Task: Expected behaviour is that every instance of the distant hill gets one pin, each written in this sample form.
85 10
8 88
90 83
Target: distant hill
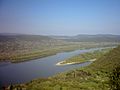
61 37
90 38
77 38
7 37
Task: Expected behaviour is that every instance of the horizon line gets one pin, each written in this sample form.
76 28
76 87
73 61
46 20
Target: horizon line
7 33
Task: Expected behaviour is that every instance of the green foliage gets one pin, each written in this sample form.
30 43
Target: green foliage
115 78
86 56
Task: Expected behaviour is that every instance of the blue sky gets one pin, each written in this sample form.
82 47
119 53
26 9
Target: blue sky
60 17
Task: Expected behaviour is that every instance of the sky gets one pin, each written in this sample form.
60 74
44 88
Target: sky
60 17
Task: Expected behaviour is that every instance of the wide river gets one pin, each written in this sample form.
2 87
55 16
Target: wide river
12 73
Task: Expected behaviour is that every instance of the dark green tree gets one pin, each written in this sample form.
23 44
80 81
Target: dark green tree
115 78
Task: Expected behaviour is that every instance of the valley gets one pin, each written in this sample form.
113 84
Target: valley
19 48
83 65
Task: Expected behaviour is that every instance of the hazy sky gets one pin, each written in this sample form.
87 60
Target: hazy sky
60 17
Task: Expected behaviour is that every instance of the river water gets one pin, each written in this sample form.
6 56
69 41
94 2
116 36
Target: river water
13 73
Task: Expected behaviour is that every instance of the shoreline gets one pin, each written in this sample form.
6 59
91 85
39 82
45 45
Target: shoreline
71 63
38 56
51 52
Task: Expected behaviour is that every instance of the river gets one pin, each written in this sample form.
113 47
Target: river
15 73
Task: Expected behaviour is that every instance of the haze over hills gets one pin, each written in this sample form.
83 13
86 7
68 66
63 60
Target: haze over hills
90 38
77 38
12 36
35 46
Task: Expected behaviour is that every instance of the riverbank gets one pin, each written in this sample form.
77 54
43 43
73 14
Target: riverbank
85 57
49 52
22 57
39 68
60 63
46 53
71 63
20 51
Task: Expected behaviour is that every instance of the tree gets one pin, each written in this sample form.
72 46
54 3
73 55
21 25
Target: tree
115 78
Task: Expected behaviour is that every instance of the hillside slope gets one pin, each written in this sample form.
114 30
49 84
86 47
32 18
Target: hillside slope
108 61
